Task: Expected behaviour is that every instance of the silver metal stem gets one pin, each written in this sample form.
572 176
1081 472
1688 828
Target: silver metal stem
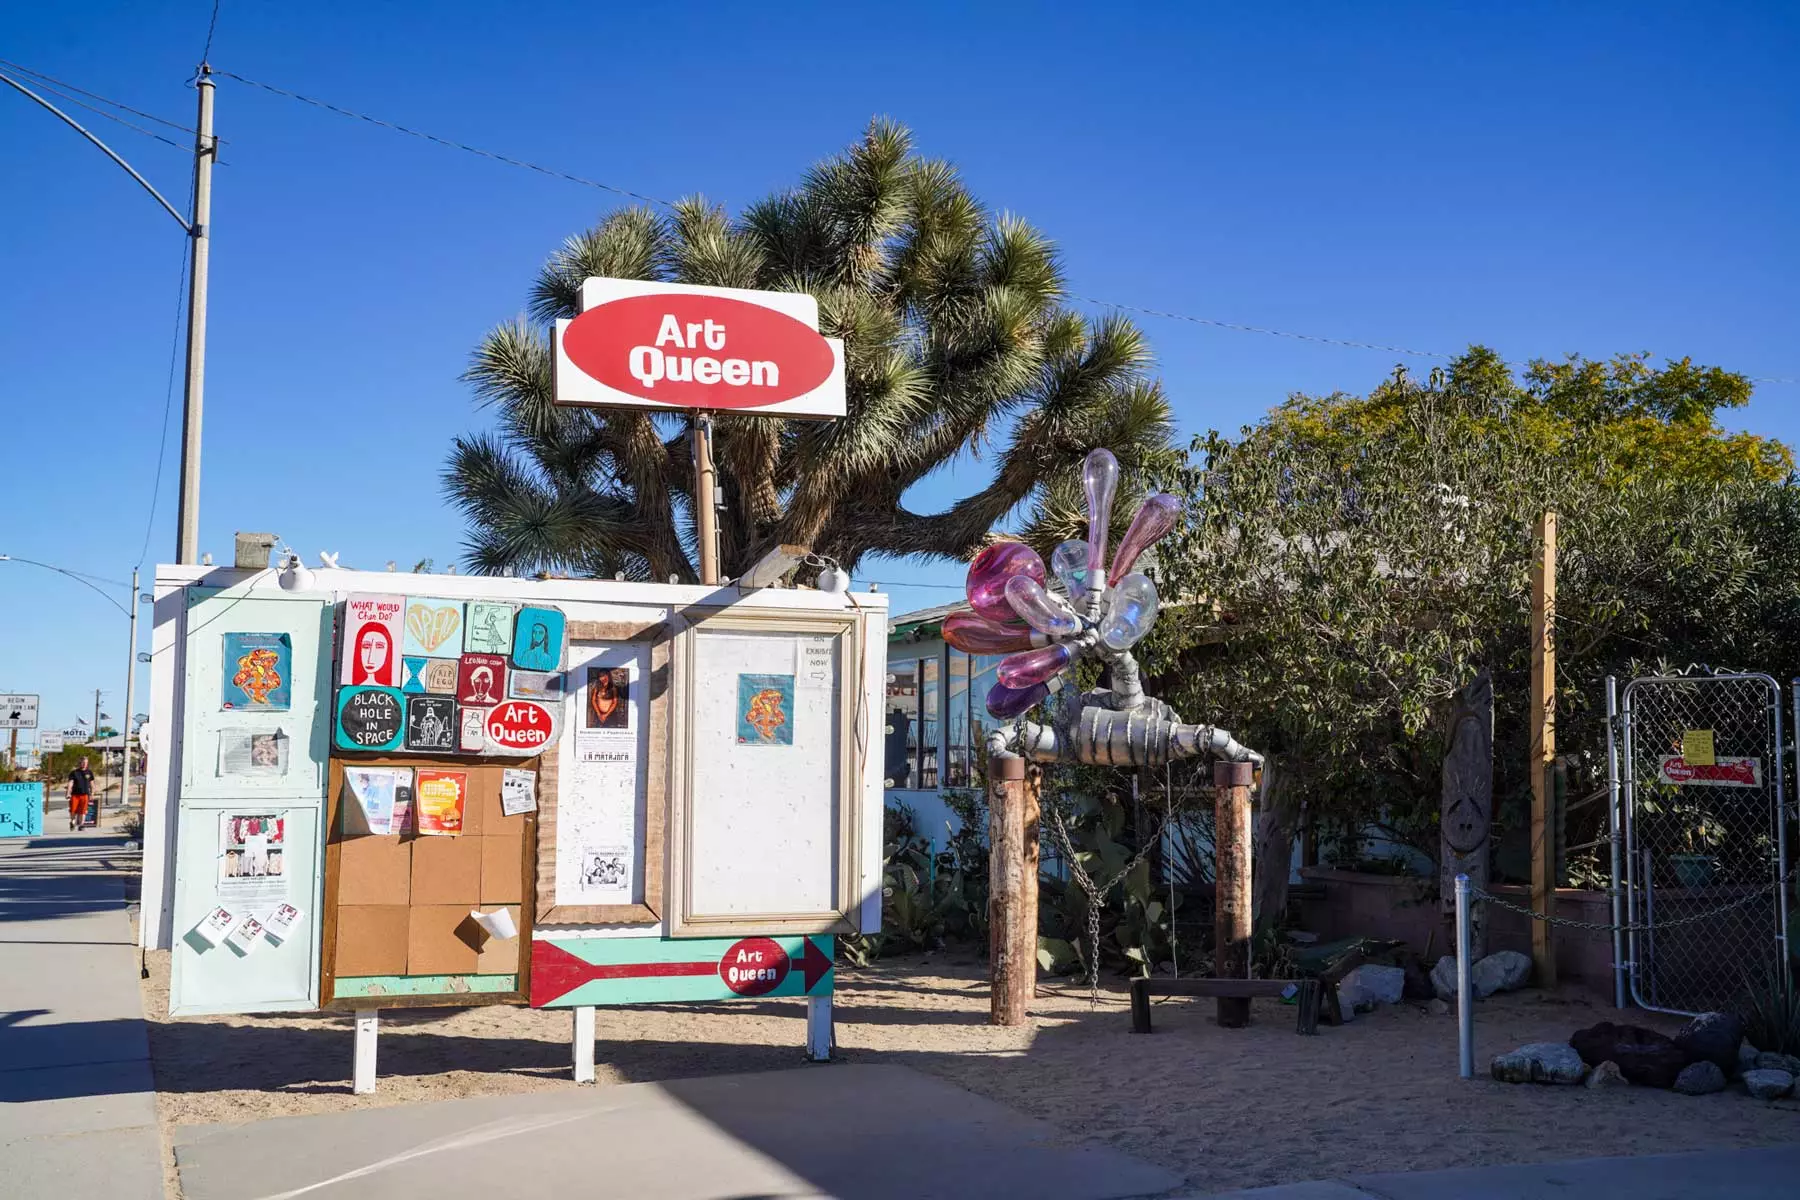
1465 988
1615 835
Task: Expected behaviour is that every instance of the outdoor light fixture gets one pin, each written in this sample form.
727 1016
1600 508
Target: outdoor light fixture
295 575
834 579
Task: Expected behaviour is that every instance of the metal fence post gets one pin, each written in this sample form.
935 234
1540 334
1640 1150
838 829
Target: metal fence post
1615 834
1465 1006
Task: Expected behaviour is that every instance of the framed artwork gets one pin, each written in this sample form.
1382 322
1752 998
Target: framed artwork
371 640
259 672
481 680
434 628
369 718
489 628
431 724
538 639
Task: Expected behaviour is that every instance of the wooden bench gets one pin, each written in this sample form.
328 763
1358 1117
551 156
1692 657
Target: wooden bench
1316 999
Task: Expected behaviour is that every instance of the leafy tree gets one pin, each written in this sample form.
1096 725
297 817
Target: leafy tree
956 343
1359 559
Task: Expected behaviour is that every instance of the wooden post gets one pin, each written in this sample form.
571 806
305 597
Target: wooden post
819 1034
584 1043
1467 804
1030 816
1011 980
1543 749
368 1027
706 516
1231 885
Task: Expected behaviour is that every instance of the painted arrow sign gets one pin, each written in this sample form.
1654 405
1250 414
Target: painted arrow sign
567 972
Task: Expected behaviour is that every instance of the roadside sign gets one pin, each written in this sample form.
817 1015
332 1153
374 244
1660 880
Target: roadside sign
49 743
18 712
75 737
675 346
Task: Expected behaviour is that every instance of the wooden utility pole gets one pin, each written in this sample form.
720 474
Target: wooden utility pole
1030 816
1543 749
1012 971
1231 885
706 515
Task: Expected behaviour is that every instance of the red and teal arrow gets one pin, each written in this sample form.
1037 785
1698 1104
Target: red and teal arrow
569 972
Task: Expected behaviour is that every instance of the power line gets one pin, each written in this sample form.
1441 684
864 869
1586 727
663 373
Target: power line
211 25
162 440
98 111
1303 337
50 79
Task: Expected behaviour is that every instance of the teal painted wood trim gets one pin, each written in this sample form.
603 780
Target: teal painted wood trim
569 972
361 988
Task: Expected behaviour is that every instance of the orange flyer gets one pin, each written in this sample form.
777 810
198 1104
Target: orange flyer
438 800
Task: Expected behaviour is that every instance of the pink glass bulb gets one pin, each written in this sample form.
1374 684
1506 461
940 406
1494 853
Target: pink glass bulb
1099 479
990 571
1020 671
1005 702
1046 613
977 635
1152 523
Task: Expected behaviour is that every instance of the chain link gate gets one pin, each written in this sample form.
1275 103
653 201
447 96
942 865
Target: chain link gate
1705 846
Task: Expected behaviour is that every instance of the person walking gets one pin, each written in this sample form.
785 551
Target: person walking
81 794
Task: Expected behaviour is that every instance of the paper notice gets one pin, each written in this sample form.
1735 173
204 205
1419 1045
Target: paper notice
283 921
1697 747
252 754
518 792
246 937
606 874
217 924
818 662
252 856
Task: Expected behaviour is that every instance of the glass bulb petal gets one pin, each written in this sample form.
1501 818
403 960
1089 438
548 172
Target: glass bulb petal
988 575
1099 479
1006 703
1020 671
1152 523
1044 612
1069 563
975 634
1131 608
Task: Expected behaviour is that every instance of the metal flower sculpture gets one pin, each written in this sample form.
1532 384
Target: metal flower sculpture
1109 610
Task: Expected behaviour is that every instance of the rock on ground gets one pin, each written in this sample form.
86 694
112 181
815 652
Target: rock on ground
1607 1075
1645 1056
1766 1085
1501 971
1746 1057
1702 1078
1713 1036
1443 978
1540 1062
1374 984
1769 1060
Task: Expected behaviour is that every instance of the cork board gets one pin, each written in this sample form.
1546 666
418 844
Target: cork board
647 647
396 907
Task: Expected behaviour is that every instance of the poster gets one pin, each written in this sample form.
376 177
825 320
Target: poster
608 698
481 680
21 809
253 754
372 640
403 802
246 937
538 639
283 921
518 791
438 799
434 628
472 739
489 629
369 718
374 790
215 925
258 672
431 724
606 874
765 710
535 685
251 851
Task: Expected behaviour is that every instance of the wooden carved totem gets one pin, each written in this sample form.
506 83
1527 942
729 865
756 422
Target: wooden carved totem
1468 800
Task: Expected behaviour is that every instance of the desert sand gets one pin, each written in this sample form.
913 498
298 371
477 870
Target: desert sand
1227 1108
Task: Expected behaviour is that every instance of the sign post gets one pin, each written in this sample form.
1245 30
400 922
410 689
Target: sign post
666 346
17 712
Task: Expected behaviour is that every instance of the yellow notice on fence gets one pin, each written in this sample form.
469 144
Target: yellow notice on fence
1697 747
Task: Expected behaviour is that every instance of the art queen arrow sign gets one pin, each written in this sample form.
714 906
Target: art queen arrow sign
674 346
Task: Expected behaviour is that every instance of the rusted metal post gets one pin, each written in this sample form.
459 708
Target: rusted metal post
1231 884
1011 974
1031 814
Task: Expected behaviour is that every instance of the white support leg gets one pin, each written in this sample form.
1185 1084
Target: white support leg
584 1044
368 1025
818 1028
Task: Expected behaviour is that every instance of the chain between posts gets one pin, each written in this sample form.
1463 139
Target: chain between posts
1476 893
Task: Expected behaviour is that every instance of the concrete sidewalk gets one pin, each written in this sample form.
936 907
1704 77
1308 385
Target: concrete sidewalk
1769 1173
80 1105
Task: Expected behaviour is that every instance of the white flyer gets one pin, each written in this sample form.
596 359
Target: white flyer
217 924
283 921
246 937
518 791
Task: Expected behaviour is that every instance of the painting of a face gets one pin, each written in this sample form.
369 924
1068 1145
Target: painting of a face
374 650
483 681
540 637
374 655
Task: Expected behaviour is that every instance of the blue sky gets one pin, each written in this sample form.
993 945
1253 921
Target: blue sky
1542 178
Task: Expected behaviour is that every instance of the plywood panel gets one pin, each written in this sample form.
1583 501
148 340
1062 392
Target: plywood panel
371 939
440 939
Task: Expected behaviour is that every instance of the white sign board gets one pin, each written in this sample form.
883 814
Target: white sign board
75 737
18 712
679 347
49 743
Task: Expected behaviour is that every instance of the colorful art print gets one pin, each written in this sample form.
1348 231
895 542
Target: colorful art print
608 698
240 829
375 790
472 738
518 791
372 639
258 672
481 680
370 718
489 629
283 921
431 724
535 685
438 800
519 728
434 628
765 712
538 639
412 674
252 858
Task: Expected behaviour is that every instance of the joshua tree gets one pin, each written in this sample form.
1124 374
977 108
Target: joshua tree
955 339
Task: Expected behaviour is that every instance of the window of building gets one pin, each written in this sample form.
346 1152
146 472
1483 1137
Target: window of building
959 750
930 725
902 725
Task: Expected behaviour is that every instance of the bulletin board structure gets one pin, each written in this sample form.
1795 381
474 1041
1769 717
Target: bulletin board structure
708 796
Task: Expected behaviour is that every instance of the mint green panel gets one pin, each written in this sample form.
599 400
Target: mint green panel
436 986
211 868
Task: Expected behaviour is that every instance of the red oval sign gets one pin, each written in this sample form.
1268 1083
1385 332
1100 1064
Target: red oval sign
698 351
519 725
754 966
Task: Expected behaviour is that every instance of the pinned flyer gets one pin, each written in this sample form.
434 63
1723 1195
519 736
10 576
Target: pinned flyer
246 937
518 792
217 924
499 924
282 922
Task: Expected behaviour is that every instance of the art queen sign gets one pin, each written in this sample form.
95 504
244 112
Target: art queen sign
674 346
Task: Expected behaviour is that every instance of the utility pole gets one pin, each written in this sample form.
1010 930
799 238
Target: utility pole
99 798
1543 750
706 482
130 694
187 548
